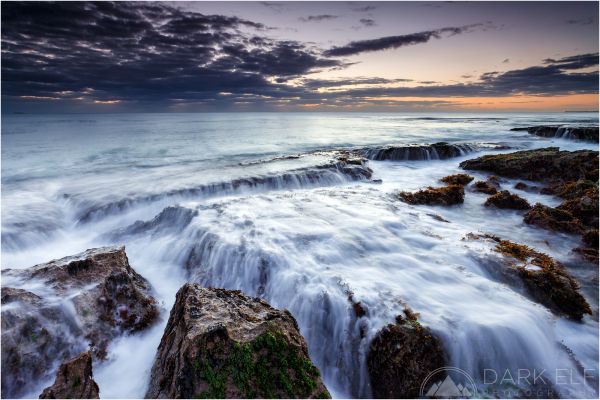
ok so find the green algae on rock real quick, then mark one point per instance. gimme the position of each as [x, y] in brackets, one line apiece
[222, 344]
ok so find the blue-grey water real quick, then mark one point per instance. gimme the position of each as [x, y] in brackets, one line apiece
[226, 207]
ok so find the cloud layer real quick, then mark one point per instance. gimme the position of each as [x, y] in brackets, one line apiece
[154, 56]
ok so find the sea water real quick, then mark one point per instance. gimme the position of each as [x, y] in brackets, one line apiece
[242, 201]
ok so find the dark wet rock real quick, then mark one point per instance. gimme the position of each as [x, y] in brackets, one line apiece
[505, 199]
[583, 206]
[87, 299]
[566, 132]
[526, 188]
[435, 151]
[587, 253]
[539, 165]
[445, 196]
[590, 251]
[543, 278]
[172, 218]
[438, 218]
[553, 219]
[590, 238]
[490, 186]
[401, 356]
[74, 380]
[457, 179]
[222, 344]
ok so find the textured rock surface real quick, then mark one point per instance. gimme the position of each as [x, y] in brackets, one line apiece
[74, 380]
[401, 356]
[445, 196]
[489, 186]
[83, 300]
[457, 179]
[221, 343]
[553, 219]
[583, 132]
[505, 199]
[541, 164]
[540, 276]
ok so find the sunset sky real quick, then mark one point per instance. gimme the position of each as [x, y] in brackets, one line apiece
[299, 56]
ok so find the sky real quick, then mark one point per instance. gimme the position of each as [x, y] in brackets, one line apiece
[64, 57]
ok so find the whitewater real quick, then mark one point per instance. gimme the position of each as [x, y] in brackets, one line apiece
[260, 202]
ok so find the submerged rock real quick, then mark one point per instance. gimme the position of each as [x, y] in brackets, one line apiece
[525, 187]
[74, 380]
[222, 344]
[584, 132]
[435, 151]
[505, 199]
[543, 278]
[446, 195]
[489, 186]
[87, 299]
[457, 179]
[540, 164]
[401, 356]
[553, 219]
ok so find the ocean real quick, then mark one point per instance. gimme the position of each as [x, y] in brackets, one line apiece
[256, 202]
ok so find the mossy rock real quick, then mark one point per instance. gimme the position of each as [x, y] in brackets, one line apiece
[505, 199]
[446, 195]
[222, 344]
[457, 179]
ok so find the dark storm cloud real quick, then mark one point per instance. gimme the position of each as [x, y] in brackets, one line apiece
[364, 9]
[574, 62]
[140, 52]
[318, 18]
[582, 21]
[393, 42]
[555, 77]
[367, 21]
[156, 56]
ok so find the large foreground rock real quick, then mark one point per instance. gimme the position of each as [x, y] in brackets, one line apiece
[53, 311]
[401, 356]
[222, 344]
[74, 380]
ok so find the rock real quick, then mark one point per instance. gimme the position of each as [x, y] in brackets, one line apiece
[526, 188]
[552, 218]
[87, 299]
[435, 151]
[539, 165]
[401, 356]
[489, 186]
[590, 238]
[584, 133]
[583, 207]
[588, 254]
[74, 380]
[447, 195]
[505, 199]
[545, 279]
[222, 344]
[457, 179]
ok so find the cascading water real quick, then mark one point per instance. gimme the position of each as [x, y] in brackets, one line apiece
[305, 237]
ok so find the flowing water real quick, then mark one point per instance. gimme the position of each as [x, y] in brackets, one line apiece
[259, 202]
